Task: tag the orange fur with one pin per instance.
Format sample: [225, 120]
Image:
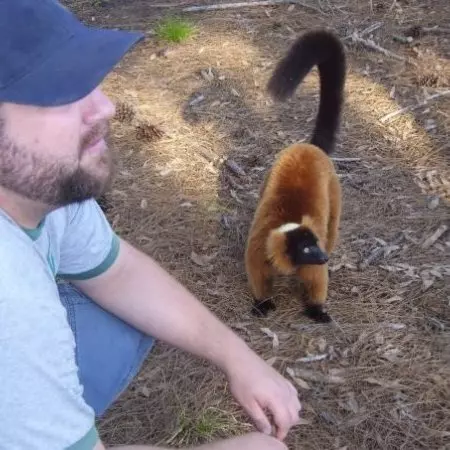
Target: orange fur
[301, 188]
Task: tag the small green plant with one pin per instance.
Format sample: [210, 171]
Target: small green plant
[174, 29]
[204, 427]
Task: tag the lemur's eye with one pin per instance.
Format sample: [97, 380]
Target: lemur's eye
[306, 250]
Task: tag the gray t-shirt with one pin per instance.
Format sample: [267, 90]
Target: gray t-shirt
[41, 403]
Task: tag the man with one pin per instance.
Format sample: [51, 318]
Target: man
[55, 337]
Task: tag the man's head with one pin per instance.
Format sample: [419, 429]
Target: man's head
[56, 155]
[53, 116]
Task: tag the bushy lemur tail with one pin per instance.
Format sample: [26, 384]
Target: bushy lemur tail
[324, 49]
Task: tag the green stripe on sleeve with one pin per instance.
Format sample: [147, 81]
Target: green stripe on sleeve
[87, 442]
[101, 268]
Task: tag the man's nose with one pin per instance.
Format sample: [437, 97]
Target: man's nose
[98, 108]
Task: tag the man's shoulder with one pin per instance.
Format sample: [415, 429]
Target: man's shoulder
[14, 243]
[69, 213]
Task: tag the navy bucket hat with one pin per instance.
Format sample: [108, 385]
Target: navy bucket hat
[49, 58]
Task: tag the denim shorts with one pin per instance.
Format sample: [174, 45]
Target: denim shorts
[109, 352]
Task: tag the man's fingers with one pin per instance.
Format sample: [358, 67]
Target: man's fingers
[282, 419]
[259, 418]
[295, 408]
[294, 405]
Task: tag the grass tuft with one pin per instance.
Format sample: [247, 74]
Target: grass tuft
[174, 29]
[210, 424]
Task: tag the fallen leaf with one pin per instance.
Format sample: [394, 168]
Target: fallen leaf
[201, 260]
[271, 361]
[145, 391]
[274, 336]
[396, 326]
[144, 203]
[318, 377]
[379, 339]
[352, 403]
[427, 282]
[207, 74]
[329, 418]
[235, 167]
[235, 196]
[430, 240]
[301, 383]
[383, 383]
[391, 355]
[197, 100]
[312, 358]
[433, 203]
[321, 344]
[302, 421]
[395, 298]
[165, 171]
[392, 93]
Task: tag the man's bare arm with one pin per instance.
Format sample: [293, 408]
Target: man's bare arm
[143, 294]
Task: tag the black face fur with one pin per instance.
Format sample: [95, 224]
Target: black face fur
[302, 247]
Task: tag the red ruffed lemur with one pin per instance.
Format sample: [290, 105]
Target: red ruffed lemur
[296, 222]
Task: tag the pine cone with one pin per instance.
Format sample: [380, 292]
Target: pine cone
[148, 132]
[124, 112]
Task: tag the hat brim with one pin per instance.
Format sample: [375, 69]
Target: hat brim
[74, 70]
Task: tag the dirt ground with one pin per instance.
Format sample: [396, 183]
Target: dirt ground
[192, 151]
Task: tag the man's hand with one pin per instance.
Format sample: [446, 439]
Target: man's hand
[250, 441]
[259, 388]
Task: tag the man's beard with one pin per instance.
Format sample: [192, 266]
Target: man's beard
[54, 183]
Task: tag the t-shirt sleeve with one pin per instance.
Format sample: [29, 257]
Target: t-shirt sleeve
[89, 245]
